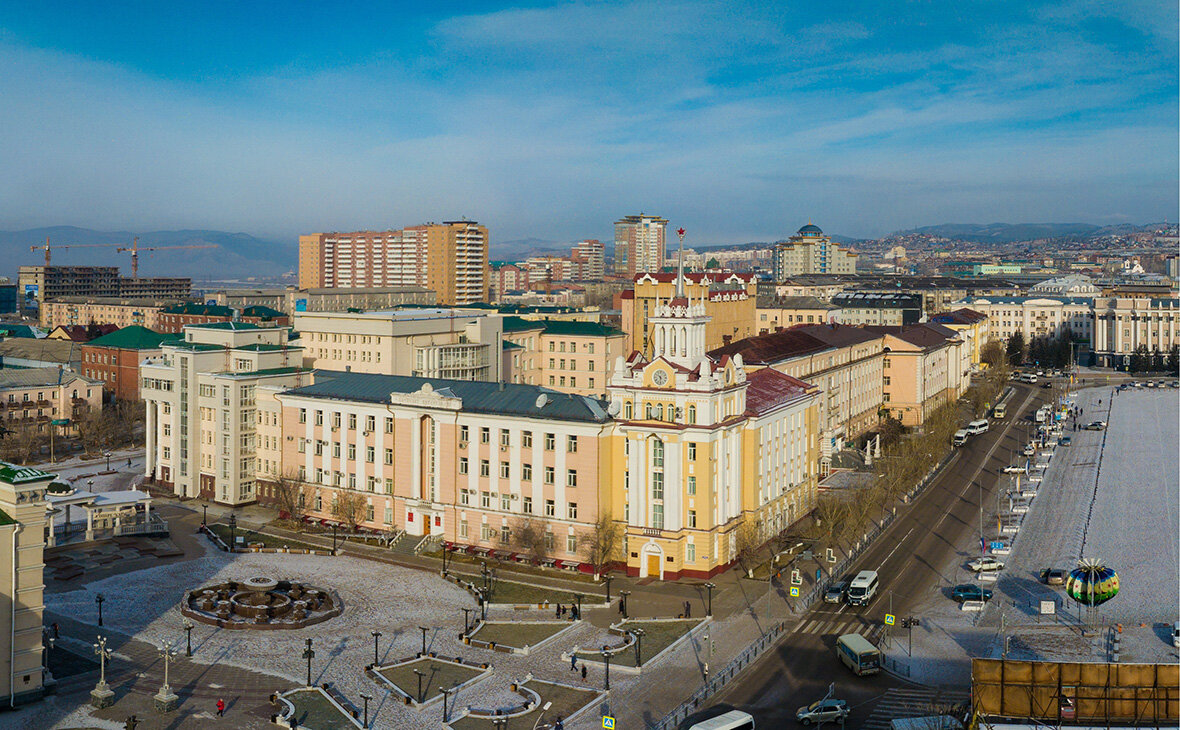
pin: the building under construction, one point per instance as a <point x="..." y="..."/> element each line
<point x="36" y="284"/>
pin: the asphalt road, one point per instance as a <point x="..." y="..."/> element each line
<point x="910" y="556"/>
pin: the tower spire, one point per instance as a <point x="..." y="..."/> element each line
<point x="680" y="265"/>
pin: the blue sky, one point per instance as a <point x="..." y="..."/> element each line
<point x="738" y="121"/>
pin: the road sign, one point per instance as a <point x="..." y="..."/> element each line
<point x="819" y="574"/>
<point x="796" y="577"/>
<point x="997" y="546"/>
<point x="60" y="422"/>
<point x="889" y="619"/>
<point x="831" y="555"/>
<point x="608" y="722"/>
<point x="794" y="591"/>
<point x="1048" y="608"/>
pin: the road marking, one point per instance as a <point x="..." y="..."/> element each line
<point x="895" y="547"/>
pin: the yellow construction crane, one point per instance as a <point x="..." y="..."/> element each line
<point x="68" y="245"/>
<point x="134" y="248"/>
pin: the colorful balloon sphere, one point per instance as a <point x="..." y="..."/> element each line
<point x="1092" y="583"/>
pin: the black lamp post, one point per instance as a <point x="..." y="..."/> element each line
<point x="466" y="619"/>
<point x="623" y="601"/>
<point x="638" y="634"/>
<point x="188" y="638"/>
<point x="423" y="629"/>
<point x="308" y="654"/>
<point x="606" y="659"/>
<point x="420" y="675"/>
<point x="108" y="455"/>
<point x="333" y="538"/>
<point x="710" y="587"/>
<point x="366" y="698"/>
<point x="446" y="550"/>
<point x="608" y="577"/>
<point x="376" y="638"/>
<point x="233" y="525"/>
<point x="99" y="599"/>
<point x="204" y="515"/>
<point x="578" y="598"/>
<point x="446" y="693"/>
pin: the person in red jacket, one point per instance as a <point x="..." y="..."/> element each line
<point x="220" y="708"/>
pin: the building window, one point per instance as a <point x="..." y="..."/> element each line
<point x="388" y="425"/>
<point x="505" y="533"/>
<point x="485" y="500"/>
<point x="657" y="516"/>
<point x="657" y="453"/>
<point x="526" y="439"/>
<point x="370" y="454"/>
<point x="505" y="502"/>
<point x="464" y="497"/>
<point x="571" y="544"/>
<point x="389" y="486"/>
<point x="335" y="420"/>
<point x="462" y="528"/>
<point x="303" y="415"/>
<point x="550" y="442"/>
<point x="572" y="510"/>
<point x="462" y="464"/>
<point x="627" y="410"/>
<point x="550" y="508"/>
<point x="549" y="541"/>
<point x="463" y="434"/>
<point x="389" y="457"/>
<point x="370" y="423"/>
<point x="692" y="485"/>
<point x="528" y="505"/>
<point x="692" y="518"/>
<point x="886" y="380"/>
<point x="485" y="435"/>
<point x="692" y="414"/>
<point x="692" y="452"/>
<point x="571" y="444"/>
<point x="351" y="421"/>
<point x="352" y="452"/>
<point x="505" y="468"/>
<point x="505" y="439"/>
<point x="485" y="468"/>
<point x="657" y="485"/>
<point x="549" y="474"/>
<point x="319" y="418"/>
<point x="571" y="478"/>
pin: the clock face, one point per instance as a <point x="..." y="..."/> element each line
<point x="660" y="377"/>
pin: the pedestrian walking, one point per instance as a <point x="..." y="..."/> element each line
<point x="56" y="631"/>
<point x="559" y="725"/>
<point x="557" y="611"/>
<point x="220" y="708"/>
<point x="583" y="671"/>
<point x="688" y="609"/>
<point x="573" y="662"/>
<point x="621" y="604"/>
<point x="129" y="462"/>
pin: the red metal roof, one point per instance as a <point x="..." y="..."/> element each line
<point x="768" y="388"/>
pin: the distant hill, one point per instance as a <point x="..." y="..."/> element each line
<point x="521" y="248"/>
<point x="1012" y="232"/>
<point x="236" y="255"/>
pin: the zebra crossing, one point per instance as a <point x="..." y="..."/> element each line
<point x="837" y="624"/>
<point x="912" y="702"/>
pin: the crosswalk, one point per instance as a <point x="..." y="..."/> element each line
<point x="912" y="702"/>
<point x="837" y="624"/>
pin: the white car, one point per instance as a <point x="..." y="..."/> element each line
<point x="1029" y="450"/>
<point x="1015" y="469"/>
<point x="985" y="565"/>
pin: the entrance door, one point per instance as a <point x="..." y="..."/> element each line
<point x="653" y="566"/>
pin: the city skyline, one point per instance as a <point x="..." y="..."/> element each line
<point x="551" y="121"/>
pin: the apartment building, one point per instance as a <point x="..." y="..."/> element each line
<point x="639" y="244"/>
<point x="702" y="448"/>
<point x="776" y="312"/>
<point x="845" y="363"/>
<point x="974" y="327"/>
<point x="36" y="396"/>
<point x="809" y="251"/>
<point x="450" y="259"/>
<point x="569" y="356"/>
<point x="730" y="301"/>
<point x="878" y="308"/>
<point x="289" y="299"/>
<point x="455" y="344"/>
<point x="478" y="464"/>
<point x="41" y="283"/>
<point x="591" y="254"/>
<point x="922" y="370"/>
<point x="1122" y="325"/>
<point x="202" y="419"/>
<point x="179" y="287"/>
<point x="1035" y="317"/>
<point x="173" y="319"/>
<point x="23" y="507"/>
<point x="69" y="311"/>
<point x="114" y="359"/>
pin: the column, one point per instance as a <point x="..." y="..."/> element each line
<point x="149" y="460"/>
<point x="89" y="523"/>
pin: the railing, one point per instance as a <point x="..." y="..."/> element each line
<point x="718" y="681"/>
<point x="155" y="523"/>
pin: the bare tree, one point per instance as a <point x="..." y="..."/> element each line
<point x="349" y="507"/>
<point x="528" y="537"/>
<point x="288" y="491"/>
<point x="605" y="540"/>
<point x="748" y="541"/>
<point x="829" y="517"/>
<point x="21" y="443"/>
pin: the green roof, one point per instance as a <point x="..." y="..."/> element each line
<point x="518" y="324"/>
<point x="17" y="330"/>
<point x="262" y="312"/>
<point x="265" y="347"/>
<point x="134" y="337"/>
<point x="267" y="372"/>
<point x="14" y="474"/>
<point x="194" y="346"/>
<point x="5" y="519"/>
<point x="226" y="326"/>
<point x="203" y="310"/>
<point x="572" y="328"/>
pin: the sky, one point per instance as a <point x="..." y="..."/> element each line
<point x="739" y="121"/>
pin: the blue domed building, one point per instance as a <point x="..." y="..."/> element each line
<point x="809" y="251"/>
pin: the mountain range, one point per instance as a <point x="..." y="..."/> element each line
<point x="1013" y="232"/>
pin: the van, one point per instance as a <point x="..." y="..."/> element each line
<point x="732" y="720"/>
<point x="862" y="588"/>
<point x="977" y="427"/>
<point x="858" y="654"/>
<point x="1000" y="411"/>
<point x="1042" y="415"/>
<point x="1028" y="378"/>
<point x="959" y="438"/>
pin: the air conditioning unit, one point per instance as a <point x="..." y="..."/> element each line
<point x="462" y="444"/>
<point x="503" y="447"/>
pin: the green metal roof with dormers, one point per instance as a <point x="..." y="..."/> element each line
<point x="14" y="474"/>
<point x="198" y="310"/>
<point x="561" y="327"/>
<point x="134" y="337"/>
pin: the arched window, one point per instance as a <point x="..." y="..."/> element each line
<point x="692" y="414"/>
<point x="627" y="410"/>
<point x="647" y="411"/>
<point x="659" y="411"/>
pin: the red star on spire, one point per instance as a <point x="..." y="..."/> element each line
<point x="680" y="231"/>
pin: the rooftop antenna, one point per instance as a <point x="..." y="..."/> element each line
<point x="680" y="265"/>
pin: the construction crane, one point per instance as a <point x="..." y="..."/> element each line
<point x="135" y="249"/>
<point x="68" y="245"/>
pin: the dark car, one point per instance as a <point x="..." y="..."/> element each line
<point x="1046" y="386"/>
<point x="1053" y="576"/>
<point x="835" y="592"/>
<point x="1065" y="441"/>
<point x="970" y="592"/>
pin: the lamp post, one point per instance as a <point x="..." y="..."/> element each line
<point x="102" y="695"/>
<point x="420" y="675"/>
<point x="366" y="698"/>
<point x="333" y="538"/>
<point x="446" y="693"/>
<point x="108" y="455"/>
<point x="188" y="637"/>
<point x="309" y="654"/>
<point x="638" y="634"/>
<point x="233" y="525"/>
<point x="709" y="587"/>
<point x="99" y="600"/>
<point x="205" y="514"/>
<point x="608" y="577"/>
<point x="544" y="708"/>
<point x="376" y="638"/>
<point x="623" y="601"/>
<point x="606" y="660"/>
<point x="166" y="699"/>
<point x="423" y="629"/>
<point x="446" y="550"/>
<point x="466" y="619"/>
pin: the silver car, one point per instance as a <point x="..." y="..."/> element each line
<point x="822" y="711"/>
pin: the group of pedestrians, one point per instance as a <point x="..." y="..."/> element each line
<point x="574" y="612"/>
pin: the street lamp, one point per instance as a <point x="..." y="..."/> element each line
<point x="544" y="708"/>
<point x="446" y="693"/>
<point x="204" y="514"/>
<point x="623" y="601"/>
<point x="608" y="577"/>
<point x="446" y="550"/>
<point x="99" y="599"/>
<point x="376" y="638"/>
<point x="333" y="538"/>
<point x="233" y="525"/>
<point x="710" y="587"/>
<point x="606" y="659"/>
<point x="309" y="654"/>
<point x="108" y="455"/>
<point x="366" y="698"/>
<point x="466" y="619"/>
<point x="188" y="637"/>
<point x="166" y="699"/>
<point x="423" y="629"/>
<point x="420" y="675"/>
<point x="101" y="695"/>
<point x="638" y="634"/>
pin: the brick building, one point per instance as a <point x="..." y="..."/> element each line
<point x="114" y="359"/>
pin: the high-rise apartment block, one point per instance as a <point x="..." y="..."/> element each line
<point x="591" y="254"/>
<point x="811" y="252"/>
<point x="639" y="244"/>
<point x="449" y="258"/>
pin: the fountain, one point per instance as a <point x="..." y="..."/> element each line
<point x="261" y="603"/>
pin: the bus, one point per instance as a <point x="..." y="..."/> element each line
<point x="858" y="654"/>
<point x="999" y="411"/>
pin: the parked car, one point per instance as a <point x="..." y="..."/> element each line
<point x="971" y="592"/>
<point x="1015" y="469"/>
<point x="1095" y="426"/>
<point x="822" y="711"/>
<point x="1176" y="634"/>
<point x="985" y="564"/>
<point x="1046" y="385"/>
<point x="1053" y="576"/>
<point x="1065" y="441"/>
<point x="835" y="592"/>
<point x="1029" y="450"/>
